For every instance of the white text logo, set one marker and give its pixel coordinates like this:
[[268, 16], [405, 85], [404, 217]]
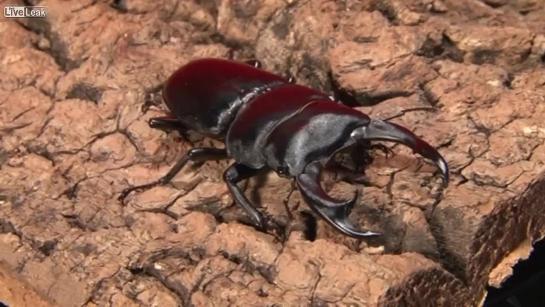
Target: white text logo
[[25, 11]]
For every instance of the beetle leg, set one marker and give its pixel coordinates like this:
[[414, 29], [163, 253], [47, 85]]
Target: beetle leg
[[333, 211], [194, 154], [255, 63], [169, 122], [291, 79], [234, 174]]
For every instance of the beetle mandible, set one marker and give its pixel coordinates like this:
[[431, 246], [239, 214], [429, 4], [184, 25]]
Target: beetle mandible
[[268, 122]]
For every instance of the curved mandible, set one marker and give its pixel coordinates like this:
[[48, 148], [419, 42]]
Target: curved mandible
[[380, 130], [333, 211]]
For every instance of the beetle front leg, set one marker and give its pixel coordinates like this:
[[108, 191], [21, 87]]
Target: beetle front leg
[[234, 174], [194, 155]]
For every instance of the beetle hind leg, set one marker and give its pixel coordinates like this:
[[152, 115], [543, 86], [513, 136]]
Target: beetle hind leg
[[166, 123], [254, 62], [333, 211], [194, 155]]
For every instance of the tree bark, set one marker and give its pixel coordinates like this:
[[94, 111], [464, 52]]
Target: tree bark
[[78, 87]]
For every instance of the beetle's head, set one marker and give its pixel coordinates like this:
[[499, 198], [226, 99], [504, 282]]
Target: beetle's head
[[336, 212], [379, 130]]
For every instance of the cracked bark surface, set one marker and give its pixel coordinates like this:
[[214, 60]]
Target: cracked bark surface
[[467, 76]]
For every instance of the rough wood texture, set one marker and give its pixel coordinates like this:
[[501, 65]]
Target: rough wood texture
[[73, 134], [18, 293]]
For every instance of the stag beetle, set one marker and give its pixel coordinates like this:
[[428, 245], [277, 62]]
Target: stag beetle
[[268, 122]]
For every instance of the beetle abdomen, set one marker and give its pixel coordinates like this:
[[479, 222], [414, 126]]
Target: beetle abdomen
[[315, 133], [206, 94], [255, 121]]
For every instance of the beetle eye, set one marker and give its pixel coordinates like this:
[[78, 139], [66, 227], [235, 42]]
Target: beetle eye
[[358, 133], [282, 170]]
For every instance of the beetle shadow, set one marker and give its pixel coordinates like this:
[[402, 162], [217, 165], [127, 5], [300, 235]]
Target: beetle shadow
[[311, 225], [259, 181], [281, 218], [361, 99]]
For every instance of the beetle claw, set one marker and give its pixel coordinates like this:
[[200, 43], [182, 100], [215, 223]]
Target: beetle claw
[[333, 211], [379, 130]]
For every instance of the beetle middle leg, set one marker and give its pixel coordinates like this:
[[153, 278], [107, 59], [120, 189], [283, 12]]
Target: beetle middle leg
[[200, 154]]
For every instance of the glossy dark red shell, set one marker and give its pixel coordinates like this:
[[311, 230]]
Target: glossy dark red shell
[[265, 120], [206, 94]]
